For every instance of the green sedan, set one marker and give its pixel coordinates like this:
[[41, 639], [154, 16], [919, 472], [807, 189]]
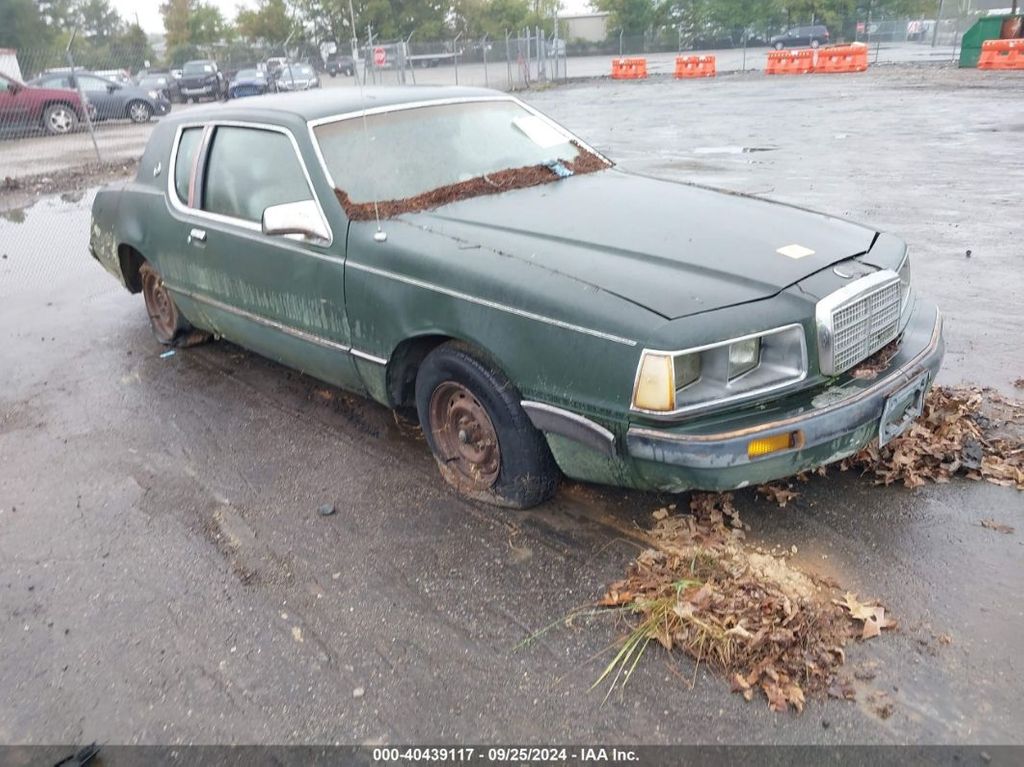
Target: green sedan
[[454, 251]]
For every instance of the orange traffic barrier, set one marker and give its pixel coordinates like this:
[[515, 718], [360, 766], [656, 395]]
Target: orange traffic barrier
[[694, 66], [842, 58], [1002, 54], [789, 62], [629, 69]]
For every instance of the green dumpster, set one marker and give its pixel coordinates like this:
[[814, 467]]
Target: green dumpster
[[985, 28]]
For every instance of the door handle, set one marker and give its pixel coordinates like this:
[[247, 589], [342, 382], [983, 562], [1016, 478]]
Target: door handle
[[196, 235]]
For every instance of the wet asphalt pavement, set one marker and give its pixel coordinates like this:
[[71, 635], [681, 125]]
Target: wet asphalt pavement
[[165, 575]]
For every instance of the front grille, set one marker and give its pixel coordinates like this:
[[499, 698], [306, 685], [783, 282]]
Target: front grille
[[857, 321], [247, 90]]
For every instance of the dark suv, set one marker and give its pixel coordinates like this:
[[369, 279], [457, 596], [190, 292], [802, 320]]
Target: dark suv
[[337, 62], [202, 79], [797, 37]]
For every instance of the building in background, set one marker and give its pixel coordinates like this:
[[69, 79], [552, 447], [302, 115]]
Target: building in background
[[589, 27], [9, 63]]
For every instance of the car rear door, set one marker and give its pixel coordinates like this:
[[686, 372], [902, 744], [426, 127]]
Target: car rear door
[[282, 296]]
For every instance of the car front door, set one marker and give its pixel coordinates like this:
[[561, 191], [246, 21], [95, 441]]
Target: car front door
[[281, 296], [103, 94]]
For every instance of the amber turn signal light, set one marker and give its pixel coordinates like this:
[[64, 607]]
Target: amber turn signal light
[[762, 446]]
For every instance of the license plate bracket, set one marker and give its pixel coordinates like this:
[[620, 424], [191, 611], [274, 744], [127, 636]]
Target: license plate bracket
[[902, 408]]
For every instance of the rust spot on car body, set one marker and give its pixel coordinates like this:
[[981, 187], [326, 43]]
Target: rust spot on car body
[[490, 183]]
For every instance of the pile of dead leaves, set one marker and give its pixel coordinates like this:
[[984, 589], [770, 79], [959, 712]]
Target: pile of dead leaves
[[964, 430], [749, 615]]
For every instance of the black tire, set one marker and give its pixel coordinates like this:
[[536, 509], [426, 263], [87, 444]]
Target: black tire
[[59, 119], [139, 112], [167, 322], [526, 473], [779, 46], [815, 43]]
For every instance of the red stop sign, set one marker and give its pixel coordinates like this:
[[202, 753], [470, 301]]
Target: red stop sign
[[380, 56]]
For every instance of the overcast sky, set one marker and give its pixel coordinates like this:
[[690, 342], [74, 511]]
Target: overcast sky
[[148, 11]]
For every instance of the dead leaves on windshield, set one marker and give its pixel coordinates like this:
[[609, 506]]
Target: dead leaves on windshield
[[965, 430], [766, 626]]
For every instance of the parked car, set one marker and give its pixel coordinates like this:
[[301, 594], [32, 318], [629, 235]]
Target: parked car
[[202, 79], [112, 101], [534, 304], [296, 77], [55, 110], [798, 37], [163, 83], [337, 63], [249, 82]]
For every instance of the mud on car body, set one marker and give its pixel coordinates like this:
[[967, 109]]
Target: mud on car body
[[542, 311]]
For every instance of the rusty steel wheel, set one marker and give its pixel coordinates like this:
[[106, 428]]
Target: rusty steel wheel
[[483, 441], [465, 437], [169, 327], [163, 314]]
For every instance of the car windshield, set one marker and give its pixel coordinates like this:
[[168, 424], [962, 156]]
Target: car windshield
[[298, 70], [408, 153], [247, 74], [148, 81], [197, 68]]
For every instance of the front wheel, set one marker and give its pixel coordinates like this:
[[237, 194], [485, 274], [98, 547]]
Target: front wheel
[[169, 327], [483, 441], [815, 43], [59, 119], [779, 46], [139, 112]]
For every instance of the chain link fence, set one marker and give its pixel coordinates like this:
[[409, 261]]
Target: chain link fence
[[67, 107]]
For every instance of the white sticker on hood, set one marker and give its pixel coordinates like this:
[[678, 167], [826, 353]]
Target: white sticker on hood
[[795, 251]]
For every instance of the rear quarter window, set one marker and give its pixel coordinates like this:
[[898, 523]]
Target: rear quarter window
[[188, 144]]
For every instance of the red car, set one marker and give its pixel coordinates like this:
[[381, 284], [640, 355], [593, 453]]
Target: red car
[[56, 110]]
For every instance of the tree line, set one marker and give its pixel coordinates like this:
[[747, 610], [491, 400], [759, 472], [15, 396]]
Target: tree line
[[194, 27]]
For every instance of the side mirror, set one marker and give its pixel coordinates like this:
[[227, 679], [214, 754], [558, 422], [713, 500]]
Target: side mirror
[[296, 218], [112, 87]]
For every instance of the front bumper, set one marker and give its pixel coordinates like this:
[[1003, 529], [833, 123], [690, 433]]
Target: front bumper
[[833, 425], [204, 90]]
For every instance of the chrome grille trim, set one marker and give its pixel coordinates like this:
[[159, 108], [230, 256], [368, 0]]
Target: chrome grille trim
[[857, 320]]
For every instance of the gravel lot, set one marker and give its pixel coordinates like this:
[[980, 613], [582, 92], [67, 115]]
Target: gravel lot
[[166, 576]]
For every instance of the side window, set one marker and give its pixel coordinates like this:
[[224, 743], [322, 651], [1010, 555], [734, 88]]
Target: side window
[[3, 85], [93, 84], [249, 170], [187, 147]]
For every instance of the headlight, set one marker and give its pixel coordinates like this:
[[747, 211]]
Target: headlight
[[904, 273], [671, 383], [154, 95], [743, 356], [655, 383]]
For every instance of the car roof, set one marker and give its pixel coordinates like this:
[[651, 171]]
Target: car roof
[[320, 103]]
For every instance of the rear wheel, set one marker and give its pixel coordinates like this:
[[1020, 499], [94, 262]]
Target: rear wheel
[[483, 441], [59, 119], [169, 327], [815, 43], [139, 112], [779, 46]]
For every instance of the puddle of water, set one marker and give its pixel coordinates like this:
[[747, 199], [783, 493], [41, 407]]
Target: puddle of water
[[732, 149], [45, 242]]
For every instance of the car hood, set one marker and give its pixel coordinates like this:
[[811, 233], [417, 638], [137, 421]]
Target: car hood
[[675, 249]]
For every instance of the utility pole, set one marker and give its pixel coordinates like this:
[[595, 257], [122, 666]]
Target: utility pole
[[354, 41], [935, 28]]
